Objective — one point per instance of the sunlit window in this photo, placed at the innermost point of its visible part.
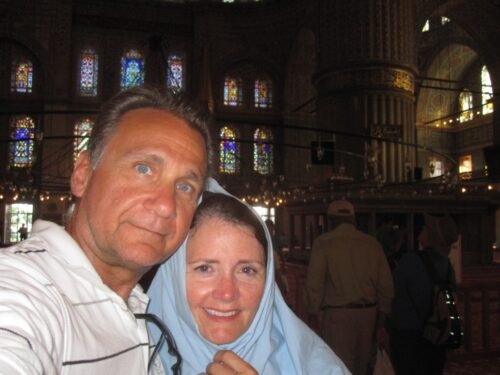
(465, 103)
(15, 216)
(435, 167)
(265, 212)
(426, 26)
(81, 133)
(487, 91)
(445, 20)
(465, 167)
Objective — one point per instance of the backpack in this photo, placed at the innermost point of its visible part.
(443, 326)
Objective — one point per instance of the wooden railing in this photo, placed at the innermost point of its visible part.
(478, 302)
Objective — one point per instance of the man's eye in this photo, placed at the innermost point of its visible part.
(185, 188)
(143, 168)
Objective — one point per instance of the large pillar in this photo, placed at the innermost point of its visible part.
(366, 84)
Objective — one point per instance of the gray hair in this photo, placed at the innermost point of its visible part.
(137, 98)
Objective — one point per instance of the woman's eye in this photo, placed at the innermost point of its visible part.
(143, 169)
(202, 268)
(249, 270)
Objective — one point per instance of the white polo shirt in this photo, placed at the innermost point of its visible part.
(57, 316)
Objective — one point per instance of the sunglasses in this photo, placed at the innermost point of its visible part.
(165, 335)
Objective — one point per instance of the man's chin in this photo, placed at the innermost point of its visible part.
(143, 256)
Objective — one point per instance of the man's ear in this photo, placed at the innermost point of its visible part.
(81, 174)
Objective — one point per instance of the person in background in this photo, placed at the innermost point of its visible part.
(392, 238)
(414, 287)
(23, 232)
(68, 295)
(349, 289)
(225, 311)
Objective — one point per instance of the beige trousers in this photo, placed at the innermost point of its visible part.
(351, 335)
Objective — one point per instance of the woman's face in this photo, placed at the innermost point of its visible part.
(225, 277)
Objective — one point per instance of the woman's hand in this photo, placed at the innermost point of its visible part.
(227, 363)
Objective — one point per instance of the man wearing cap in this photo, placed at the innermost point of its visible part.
(349, 287)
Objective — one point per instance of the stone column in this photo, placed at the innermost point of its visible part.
(366, 84)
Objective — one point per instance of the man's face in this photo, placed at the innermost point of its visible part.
(137, 204)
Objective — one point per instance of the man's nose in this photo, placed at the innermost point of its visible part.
(163, 202)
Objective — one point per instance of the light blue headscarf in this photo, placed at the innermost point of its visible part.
(277, 342)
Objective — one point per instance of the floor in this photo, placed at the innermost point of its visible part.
(489, 366)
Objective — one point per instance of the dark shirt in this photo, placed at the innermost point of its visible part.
(414, 289)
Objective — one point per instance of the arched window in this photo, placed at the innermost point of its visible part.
(233, 92)
(426, 26)
(89, 69)
(487, 91)
(263, 93)
(22, 132)
(229, 151)
(262, 151)
(132, 70)
(22, 77)
(175, 73)
(465, 103)
(81, 135)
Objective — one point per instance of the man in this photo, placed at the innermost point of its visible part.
(349, 286)
(68, 295)
(23, 232)
(413, 303)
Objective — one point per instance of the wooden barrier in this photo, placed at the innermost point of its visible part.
(478, 299)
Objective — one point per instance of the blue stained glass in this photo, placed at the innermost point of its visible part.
(22, 77)
(89, 68)
(229, 153)
(263, 94)
(175, 73)
(22, 134)
(132, 70)
(233, 92)
(262, 152)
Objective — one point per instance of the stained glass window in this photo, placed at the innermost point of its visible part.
(233, 93)
(81, 133)
(89, 68)
(22, 77)
(132, 70)
(229, 151)
(175, 73)
(262, 151)
(487, 91)
(263, 94)
(465, 102)
(22, 131)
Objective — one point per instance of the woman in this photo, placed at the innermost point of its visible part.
(236, 312)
